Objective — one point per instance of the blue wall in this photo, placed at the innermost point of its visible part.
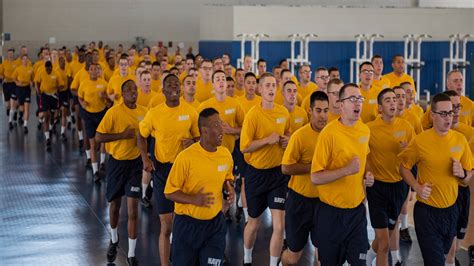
(338, 54)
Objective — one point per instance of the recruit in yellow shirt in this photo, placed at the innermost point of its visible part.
(413, 120)
(196, 168)
(92, 92)
(194, 104)
(308, 90)
(301, 150)
(260, 123)
(23, 75)
(170, 126)
(144, 99)
(384, 144)
(203, 91)
(298, 118)
(370, 107)
(381, 83)
(248, 104)
(49, 83)
(397, 80)
(432, 154)
(116, 120)
(337, 145)
(115, 86)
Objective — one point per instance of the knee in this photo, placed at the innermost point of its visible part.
(383, 245)
(291, 258)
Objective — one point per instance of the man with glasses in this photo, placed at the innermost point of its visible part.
(334, 73)
(334, 86)
(321, 77)
(379, 81)
(339, 170)
(114, 90)
(366, 76)
(403, 112)
(444, 159)
(389, 135)
(306, 86)
(398, 76)
(203, 82)
(464, 195)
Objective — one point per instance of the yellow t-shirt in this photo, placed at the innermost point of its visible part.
(79, 78)
(115, 87)
(23, 75)
(76, 67)
(298, 118)
(381, 83)
(464, 129)
(145, 99)
(337, 145)
(203, 91)
(301, 150)
(246, 104)
(90, 91)
(116, 120)
(416, 109)
(8, 68)
(259, 123)
(466, 111)
(332, 116)
(196, 168)
(158, 99)
(230, 112)
(308, 90)
(156, 85)
(384, 144)
(396, 80)
(49, 82)
(413, 120)
(432, 154)
(170, 126)
(108, 73)
(239, 92)
(370, 106)
(194, 104)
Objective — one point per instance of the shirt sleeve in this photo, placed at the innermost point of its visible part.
(248, 131)
(410, 155)
(106, 124)
(466, 157)
(146, 125)
(194, 124)
(177, 176)
(292, 153)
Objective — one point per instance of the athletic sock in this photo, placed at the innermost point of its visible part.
(95, 167)
(246, 214)
(114, 234)
(395, 256)
(25, 123)
(274, 261)
(370, 256)
(404, 221)
(63, 129)
(248, 255)
(46, 135)
(144, 187)
(132, 243)
(102, 158)
(88, 154)
(80, 134)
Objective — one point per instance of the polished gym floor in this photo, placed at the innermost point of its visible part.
(52, 213)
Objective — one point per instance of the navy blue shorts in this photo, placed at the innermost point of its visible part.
(123, 178)
(64, 98)
(198, 242)
(265, 188)
(240, 165)
(75, 100)
(160, 175)
(300, 220)
(92, 121)
(8, 90)
(22, 94)
(48, 102)
(341, 234)
(435, 229)
(464, 203)
(385, 203)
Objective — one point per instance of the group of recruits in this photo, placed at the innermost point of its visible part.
(313, 153)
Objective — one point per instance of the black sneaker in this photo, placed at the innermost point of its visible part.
(399, 263)
(102, 169)
(405, 235)
(97, 177)
(247, 264)
(226, 260)
(238, 213)
(69, 125)
(14, 116)
(25, 130)
(8, 112)
(228, 217)
(146, 203)
(81, 144)
(40, 125)
(10, 125)
(470, 252)
(456, 262)
(73, 119)
(48, 145)
(132, 261)
(112, 251)
(89, 163)
(63, 137)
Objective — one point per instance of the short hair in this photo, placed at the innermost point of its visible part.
(249, 74)
(395, 57)
(288, 82)
(375, 57)
(397, 88)
(239, 69)
(284, 71)
(318, 96)
(266, 75)
(204, 115)
(260, 61)
(405, 83)
(126, 82)
(452, 72)
(321, 69)
(165, 80)
(281, 62)
(145, 72)
(205, 61)
(187, 77)
(174, 69)
(382, 93)
(440, 97)
(217, 72)
(451, 93)
(123, 57)
(156, 63)
(216, 58)
(332, 69)
(344, 88)
(334, 82)
(192, 68)
(229, 79)
(276, 67)
(366, 63)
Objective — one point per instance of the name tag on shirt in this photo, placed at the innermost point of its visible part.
(280, 120)
(183, 117)
(99, 86)
(363, 139)
(373, 101)
(299, 120)
(53, 77)
(140, 118)
(455, 149)
(222, 168)
(399, 134)
(466, 113)
(229, 111)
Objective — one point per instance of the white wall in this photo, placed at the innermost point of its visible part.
(344, 23)
(216, 23)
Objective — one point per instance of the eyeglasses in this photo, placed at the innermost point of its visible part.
(333, 92)
(367, 72)
(324, 77)
(457, 107)
(353, 99)
(444, 114)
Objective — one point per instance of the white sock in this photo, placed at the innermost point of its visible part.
(132, 243)
(370, 256)
(395, 256)
(25, 123)
(114, 234)
(274, 261)
(80, 134)
(69, 119)
(448, 264)
(12, 113)
(284, 234)
(46, 134)
(88, 154)
(248, 255)
(239, 202)
(41, 120)
(246, 214)
(144, 187)
(63, 129)
(404, 221)
(171, 238)
(95, 167)
(102, 158)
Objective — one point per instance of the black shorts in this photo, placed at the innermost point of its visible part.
(198, 242)
(240, 165)
(64, 98)
(300, 220)
(8, 90)
(265, 188)
(75, 99)
(48, 102)
(22, 94)
(435, 229)
(341, 234)
(160, 175)
(123, 178)
(464, 203)
(92, 121)
(385, 203)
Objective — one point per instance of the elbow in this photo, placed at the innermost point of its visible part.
(169, 196)
(285, 169)
(315, 179)
(98, 138)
